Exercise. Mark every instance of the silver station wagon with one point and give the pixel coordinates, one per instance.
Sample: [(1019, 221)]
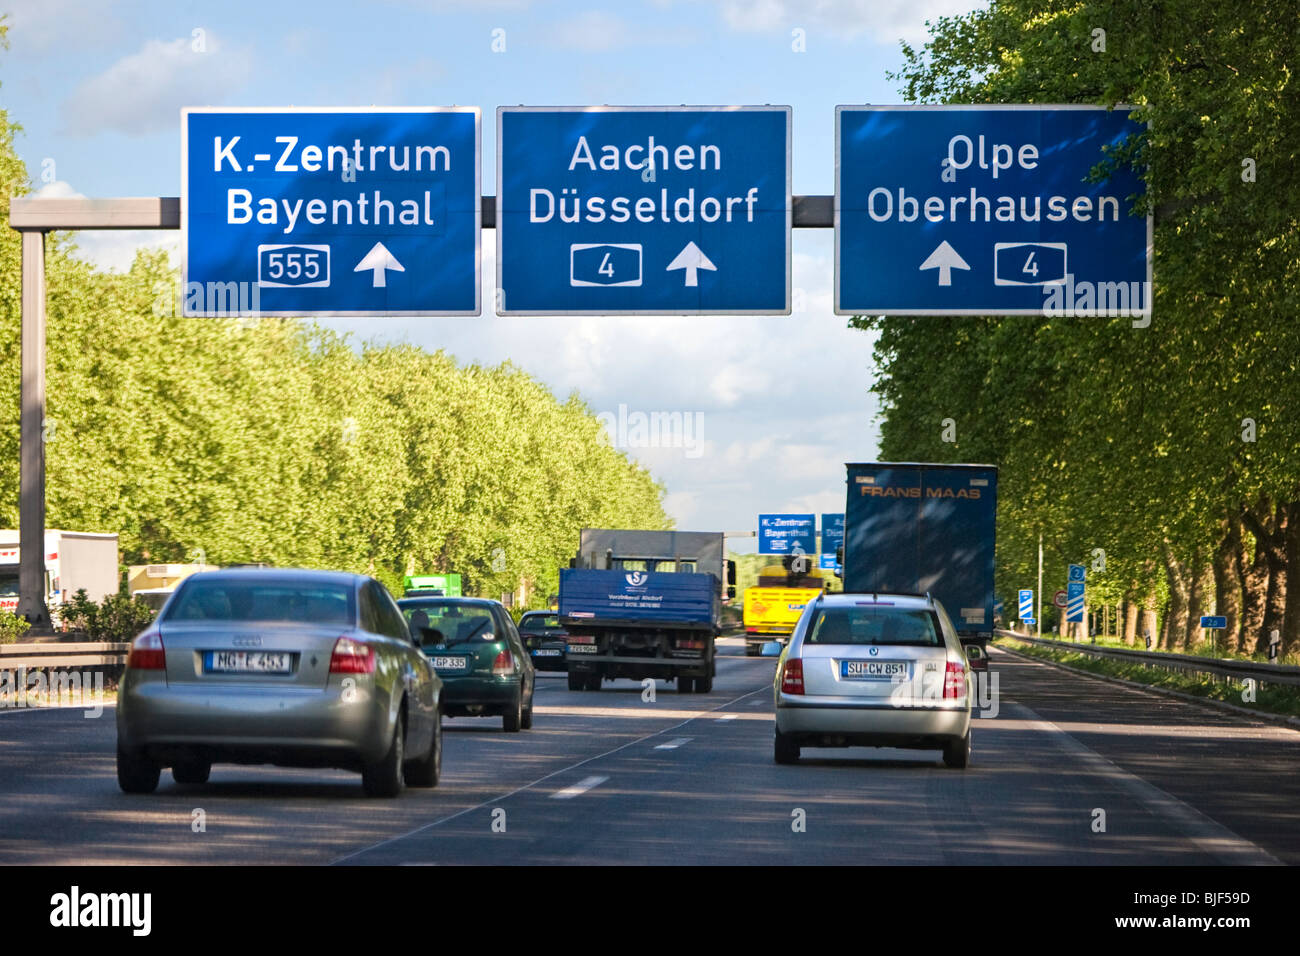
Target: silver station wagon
[(287, 667), (873, 670)]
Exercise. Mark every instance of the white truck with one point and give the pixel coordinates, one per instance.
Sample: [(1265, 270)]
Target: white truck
[(73, 560)]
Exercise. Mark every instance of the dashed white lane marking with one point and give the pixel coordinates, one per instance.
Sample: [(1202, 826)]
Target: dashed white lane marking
[(579, 788), (757, 703), (674, 744), (728, 717)]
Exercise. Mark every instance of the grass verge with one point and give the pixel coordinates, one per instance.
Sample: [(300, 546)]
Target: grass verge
[(1276, 699)]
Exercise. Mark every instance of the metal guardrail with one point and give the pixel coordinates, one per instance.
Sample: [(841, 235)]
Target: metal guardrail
[(55, 655), (1218, 666)]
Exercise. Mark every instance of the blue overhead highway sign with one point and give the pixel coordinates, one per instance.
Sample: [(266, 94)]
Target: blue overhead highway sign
[(787, 534), (832, 533), (643, 210), (986, 210), (325, 211)]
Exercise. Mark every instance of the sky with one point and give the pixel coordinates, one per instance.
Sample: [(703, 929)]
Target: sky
[(776, 404)]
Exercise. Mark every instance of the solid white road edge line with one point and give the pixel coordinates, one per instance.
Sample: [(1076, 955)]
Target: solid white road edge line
[(1211, 837)]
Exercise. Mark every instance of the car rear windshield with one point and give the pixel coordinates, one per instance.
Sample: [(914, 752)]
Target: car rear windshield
[(307, 602), (455, 622), (539, 621), (875, 624)]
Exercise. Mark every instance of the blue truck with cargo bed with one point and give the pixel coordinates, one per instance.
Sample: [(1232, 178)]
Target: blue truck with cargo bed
[(645, 604)]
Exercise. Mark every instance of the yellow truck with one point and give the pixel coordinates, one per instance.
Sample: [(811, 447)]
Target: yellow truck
[(772, 609)]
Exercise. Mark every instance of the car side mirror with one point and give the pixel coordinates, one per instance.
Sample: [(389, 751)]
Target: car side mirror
[(772, 649)]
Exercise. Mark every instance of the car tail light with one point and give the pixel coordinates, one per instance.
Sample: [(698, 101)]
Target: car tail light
[(147, 653), (690, 642), (352, 657), (792, 677), (954, 682), (504, 664), (581, 639)]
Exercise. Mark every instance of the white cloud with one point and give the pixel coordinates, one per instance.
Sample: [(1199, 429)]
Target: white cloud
[(143, 92), (597, 31), (887, 21), (38, 25)]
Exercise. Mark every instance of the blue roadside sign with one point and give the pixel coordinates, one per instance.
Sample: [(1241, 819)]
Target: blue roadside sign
[(325, 211), (986, 210), (1026, 602), (787, 534), (643, 210), (1078, 573), (1074, 598), (1214, 622)]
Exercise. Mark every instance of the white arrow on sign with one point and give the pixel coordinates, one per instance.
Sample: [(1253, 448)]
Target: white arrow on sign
[(379, 259), (691, 259), (945, 259)]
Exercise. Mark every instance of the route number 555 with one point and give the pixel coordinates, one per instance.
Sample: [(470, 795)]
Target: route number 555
[(306, 266)]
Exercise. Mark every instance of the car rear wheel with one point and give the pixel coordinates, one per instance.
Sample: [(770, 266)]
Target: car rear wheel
[(527, 721), (704, 685), (192, 771), (513, 718), (785, 750), (685, 685), (577, 681), (593, 681), (753, 650), (426, 771), (957, 753), (384, 779), (136, 774)]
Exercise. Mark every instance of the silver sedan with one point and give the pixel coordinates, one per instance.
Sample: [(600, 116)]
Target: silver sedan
[(288, 667), (873, 670)]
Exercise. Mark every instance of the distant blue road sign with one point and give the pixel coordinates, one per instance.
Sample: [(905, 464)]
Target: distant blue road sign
[(1029, 620), (950, 210), (1078, 573), (1074, 597), (322, 211), (643, 210), (1214, 622), (832, 533), (787, 534), (1026, 596), (827, 562)]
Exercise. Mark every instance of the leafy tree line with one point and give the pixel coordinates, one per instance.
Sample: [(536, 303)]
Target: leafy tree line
[(1164, 457), (278, 441)]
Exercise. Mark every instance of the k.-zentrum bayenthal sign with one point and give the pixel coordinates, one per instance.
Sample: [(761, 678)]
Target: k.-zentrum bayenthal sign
[(331, 211), (987, 210)]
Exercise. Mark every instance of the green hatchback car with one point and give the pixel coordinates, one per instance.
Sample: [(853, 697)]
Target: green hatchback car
[(475, 647)]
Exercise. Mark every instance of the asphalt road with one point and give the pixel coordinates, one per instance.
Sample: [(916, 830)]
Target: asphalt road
[(611, 778)]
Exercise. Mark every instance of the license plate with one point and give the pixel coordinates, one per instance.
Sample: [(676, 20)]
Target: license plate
[(450, 663), (582, 648), (547, 652), (875, 670), (247, 662)]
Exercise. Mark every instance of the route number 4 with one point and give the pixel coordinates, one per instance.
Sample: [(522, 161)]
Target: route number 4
[(606, 267), (1031, 267)]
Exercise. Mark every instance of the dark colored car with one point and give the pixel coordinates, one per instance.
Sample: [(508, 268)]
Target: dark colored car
[(287, 667), (545, 639), (476, 649)]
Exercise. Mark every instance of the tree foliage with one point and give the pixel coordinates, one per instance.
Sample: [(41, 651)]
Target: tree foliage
[(1148, 443)]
